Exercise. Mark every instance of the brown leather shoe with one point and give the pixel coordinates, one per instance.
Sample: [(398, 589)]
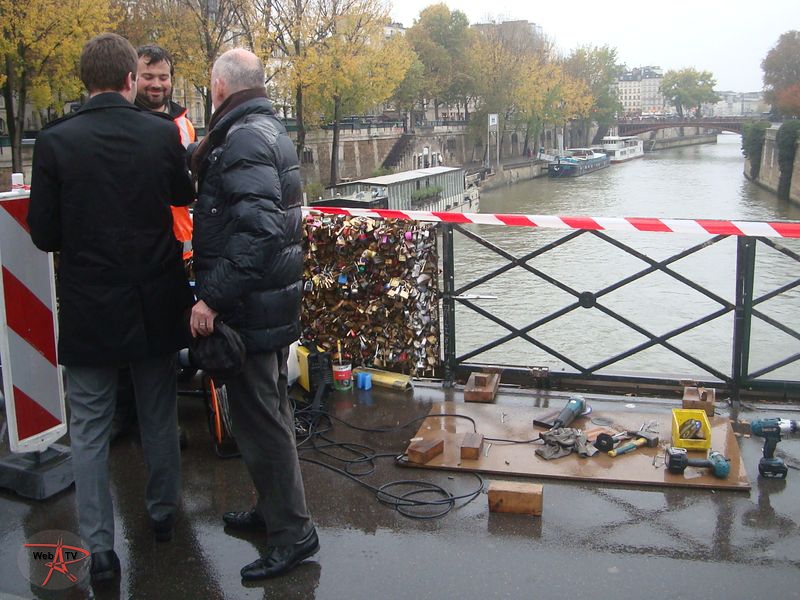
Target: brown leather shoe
[(281, 559)]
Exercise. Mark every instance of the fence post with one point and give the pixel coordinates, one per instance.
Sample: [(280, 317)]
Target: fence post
[(743, 314), (448, 305)]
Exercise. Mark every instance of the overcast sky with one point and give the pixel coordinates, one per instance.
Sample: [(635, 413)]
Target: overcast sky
[(729, 38)]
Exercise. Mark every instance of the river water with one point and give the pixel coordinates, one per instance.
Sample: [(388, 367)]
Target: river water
[(702, 182)]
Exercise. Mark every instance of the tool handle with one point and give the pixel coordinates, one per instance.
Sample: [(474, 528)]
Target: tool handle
[(770, 444), (628, 447), (699, 462)]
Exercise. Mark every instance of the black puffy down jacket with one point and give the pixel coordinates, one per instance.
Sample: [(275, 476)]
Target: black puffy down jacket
[(248, 258)]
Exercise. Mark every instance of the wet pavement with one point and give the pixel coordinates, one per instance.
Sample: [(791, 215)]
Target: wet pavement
[(592, 540)]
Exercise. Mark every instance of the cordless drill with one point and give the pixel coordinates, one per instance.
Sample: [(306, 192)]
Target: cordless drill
[(773, 430), (677, 460)]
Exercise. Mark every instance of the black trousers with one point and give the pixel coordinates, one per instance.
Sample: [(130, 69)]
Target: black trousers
[(262, 421)]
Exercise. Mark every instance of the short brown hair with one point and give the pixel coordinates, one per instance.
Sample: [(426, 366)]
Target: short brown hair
[(153, 55), (106, 61)]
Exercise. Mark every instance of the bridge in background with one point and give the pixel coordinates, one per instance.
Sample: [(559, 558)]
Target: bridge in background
[(639, 126)]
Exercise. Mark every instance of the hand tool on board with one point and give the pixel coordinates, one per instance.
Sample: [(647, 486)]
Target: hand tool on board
[(641, 438), (605, 442)]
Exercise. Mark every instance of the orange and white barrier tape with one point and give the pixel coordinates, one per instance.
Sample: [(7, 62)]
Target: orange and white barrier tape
[(776, 229)]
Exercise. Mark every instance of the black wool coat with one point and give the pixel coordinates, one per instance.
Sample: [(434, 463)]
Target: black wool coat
[(103, 180), (248, 257)]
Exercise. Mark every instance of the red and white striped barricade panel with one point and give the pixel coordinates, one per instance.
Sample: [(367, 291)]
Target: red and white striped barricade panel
[(32, 382)]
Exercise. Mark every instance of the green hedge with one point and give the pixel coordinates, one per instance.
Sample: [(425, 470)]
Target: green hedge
[(426, 193), (753, 144), (786, 140)]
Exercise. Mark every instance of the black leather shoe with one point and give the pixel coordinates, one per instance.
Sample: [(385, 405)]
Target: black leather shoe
[(281, 559), (163, 528), (105, 565), (248, 520)]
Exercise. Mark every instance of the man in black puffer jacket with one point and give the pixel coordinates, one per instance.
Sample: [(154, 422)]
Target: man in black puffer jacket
[(248, 263)]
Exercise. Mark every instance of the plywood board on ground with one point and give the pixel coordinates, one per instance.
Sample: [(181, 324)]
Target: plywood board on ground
[(515, 423)]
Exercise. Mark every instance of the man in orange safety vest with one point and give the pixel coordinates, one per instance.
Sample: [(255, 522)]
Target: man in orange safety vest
[(154, 93)]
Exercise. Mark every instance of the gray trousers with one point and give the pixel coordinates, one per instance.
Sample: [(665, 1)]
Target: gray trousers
[(262, 421), (92, 393)]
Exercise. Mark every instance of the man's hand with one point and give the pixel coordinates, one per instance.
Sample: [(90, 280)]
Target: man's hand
[(201, 322)]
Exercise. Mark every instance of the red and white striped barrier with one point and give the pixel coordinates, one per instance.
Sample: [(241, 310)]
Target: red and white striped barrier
[(777, 229), (32, 384)]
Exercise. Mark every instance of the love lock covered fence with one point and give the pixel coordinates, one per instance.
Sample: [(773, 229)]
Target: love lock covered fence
[(713, 302)]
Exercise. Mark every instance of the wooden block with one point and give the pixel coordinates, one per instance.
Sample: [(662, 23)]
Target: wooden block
[(421, 452), (699, 398), (481, 387), (471, 446), (480, 379), (513, 497)]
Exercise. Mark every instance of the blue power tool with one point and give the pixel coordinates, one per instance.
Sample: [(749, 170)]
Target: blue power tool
[(576, 407), (773, 430)]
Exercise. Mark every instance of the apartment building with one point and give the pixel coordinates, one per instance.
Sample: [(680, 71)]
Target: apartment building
[(735, 104), (639, 91)]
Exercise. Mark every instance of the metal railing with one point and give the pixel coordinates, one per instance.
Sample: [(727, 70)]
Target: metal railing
[(746, 309)]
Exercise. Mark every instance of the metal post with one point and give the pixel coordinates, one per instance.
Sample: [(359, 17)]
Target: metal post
[(743, 314), (497, 143), (448, 305), (488, 137)]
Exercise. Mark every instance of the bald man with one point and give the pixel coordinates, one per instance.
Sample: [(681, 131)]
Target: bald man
[(248, 263)]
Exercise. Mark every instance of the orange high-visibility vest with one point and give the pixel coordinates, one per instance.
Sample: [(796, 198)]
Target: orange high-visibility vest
[(181, 217)]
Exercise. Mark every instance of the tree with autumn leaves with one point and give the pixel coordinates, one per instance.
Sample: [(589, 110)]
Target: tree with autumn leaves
[(518, 79), (324, 58), (40, 45), (355, 68), (688, 89), (781, 69)]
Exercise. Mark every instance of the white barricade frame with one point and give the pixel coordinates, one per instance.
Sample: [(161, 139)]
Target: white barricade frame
[(32, 380)]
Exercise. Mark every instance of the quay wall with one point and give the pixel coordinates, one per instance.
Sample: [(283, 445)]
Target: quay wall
[(362, 152), (511, 173), (678, 142), (769, 171)]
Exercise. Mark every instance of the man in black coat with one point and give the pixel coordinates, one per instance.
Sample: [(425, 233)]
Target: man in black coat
[(103, 181), (248, 263)]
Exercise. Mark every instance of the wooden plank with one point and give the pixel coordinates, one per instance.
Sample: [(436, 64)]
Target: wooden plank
[(514, 497), (481, 387), (423, 451), (643, 467), (471, 446)]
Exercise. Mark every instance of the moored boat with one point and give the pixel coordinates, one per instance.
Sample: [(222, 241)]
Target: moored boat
[(437, 189), (577, 161), (622, 148)]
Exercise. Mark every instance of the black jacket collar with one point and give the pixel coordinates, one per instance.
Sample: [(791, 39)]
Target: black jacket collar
[(256, 105), (107, 100), (98, 102)]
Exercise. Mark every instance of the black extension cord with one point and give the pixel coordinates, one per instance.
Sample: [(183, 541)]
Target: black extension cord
[(411, 498)]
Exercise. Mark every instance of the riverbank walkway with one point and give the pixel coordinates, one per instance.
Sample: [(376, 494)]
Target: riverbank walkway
[(592, 540)]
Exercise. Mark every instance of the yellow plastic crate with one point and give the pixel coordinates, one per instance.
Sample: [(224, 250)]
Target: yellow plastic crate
[(679, 417)]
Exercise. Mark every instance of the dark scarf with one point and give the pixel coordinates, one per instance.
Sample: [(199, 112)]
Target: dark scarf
[(231, 102)]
